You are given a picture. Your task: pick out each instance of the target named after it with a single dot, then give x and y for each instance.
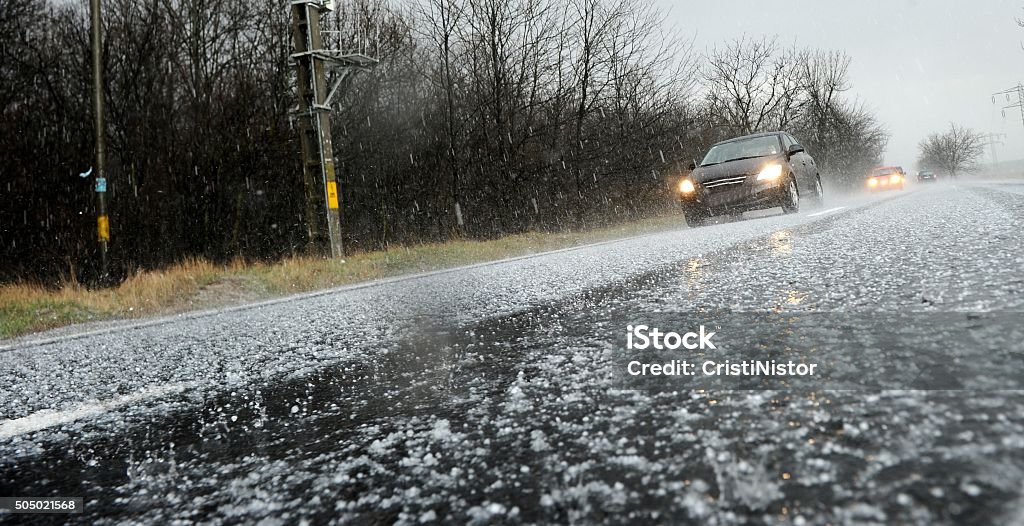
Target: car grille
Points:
(726, 183)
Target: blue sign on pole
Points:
(101, 184)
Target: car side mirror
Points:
(794, 149)
(691, 166)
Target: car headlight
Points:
(872, 182)
(894, 179)
(770, 173)
(687, 187)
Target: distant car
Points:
(927, 177)
(753, 172)
(886, 178)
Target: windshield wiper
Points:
(747, 157)
(736, 159)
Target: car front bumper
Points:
(750, 195)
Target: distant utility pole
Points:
(993, 140)
(102, 221)
(1018, 90)
(312, 62)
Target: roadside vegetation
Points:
(483, 119)
(200, 284)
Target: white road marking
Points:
(829, 211)
(48, 418)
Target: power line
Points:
(1017, 90)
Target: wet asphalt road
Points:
(496, 393)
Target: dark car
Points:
(753, 172)
(925, 176)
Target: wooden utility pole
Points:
(102, 221)
(313, 62)
(315, 128)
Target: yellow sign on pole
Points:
(103, 228)
(332, 194)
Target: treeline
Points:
(483, 117)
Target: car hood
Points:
(732, 168)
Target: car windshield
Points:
(883, 171)
(742, 149)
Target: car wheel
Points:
(817, 197)
(791, 198)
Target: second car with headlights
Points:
(752, 172)
(886, 178)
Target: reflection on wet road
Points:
(502, 397)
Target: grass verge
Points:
(198, 284)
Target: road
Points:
(497, 393)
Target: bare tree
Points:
(592, 22)
(953, 152)
(442, 19)
(844, 136)
(20, 31)
(752, 86)
(647, 67)
(848, 143)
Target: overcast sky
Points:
(919, 64)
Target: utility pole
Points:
(102, 221)
(993, 140)
(1017, 90)
(312, 62)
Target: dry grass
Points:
(28, 308)
(194, 283)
